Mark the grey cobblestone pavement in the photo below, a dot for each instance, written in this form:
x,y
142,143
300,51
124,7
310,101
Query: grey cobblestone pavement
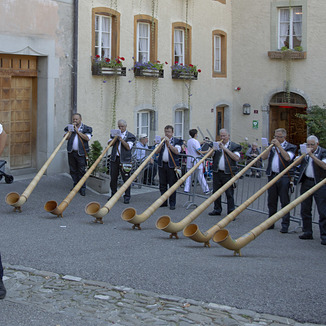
x,y
100,303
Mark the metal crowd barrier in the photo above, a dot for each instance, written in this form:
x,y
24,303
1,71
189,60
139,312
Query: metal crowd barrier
x,y
247,185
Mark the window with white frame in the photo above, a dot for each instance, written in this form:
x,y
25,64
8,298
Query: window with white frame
x,y
179,56
143,123
289,27
179,123
217,53
103,34
143,42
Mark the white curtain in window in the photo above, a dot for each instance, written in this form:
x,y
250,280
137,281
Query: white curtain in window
x,y
297,22
143,42
217,53
284,25
178,45
178,126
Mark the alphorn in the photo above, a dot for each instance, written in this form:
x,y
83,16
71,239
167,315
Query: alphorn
x,y
130,215
192,230
94,208
52,206
164,222
17,201
223,238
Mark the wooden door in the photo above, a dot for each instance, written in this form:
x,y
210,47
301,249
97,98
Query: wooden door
x,y
219,122
23,124
285,117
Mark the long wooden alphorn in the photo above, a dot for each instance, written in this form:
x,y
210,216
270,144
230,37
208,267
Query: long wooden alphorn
x,y
17,201
223,238
130,215
192,230
94,208
52,206
164,223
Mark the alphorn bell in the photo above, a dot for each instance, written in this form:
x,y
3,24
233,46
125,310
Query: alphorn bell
x,y
223,238
129,214
192,230
94,208
17,201
164,222
52,206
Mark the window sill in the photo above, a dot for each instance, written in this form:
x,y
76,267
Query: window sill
x,y
294,55
184,75
105,71
153,73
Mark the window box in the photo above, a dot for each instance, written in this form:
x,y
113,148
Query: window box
x,y
294,55
154,73
97,70
185,75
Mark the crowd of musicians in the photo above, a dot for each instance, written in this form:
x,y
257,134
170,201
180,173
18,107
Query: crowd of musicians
x,y
309,171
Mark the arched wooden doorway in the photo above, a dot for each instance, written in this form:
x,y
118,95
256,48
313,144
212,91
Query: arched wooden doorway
x,y
283,110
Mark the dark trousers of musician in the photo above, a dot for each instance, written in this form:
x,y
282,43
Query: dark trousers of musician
x,y
115,169
167,177
219,180
77,166
1,269
306,208
279,189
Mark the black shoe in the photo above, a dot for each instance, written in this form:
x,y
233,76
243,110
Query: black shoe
x,y
284,230
271,227
126,201
323,242
214,212
172,208
82,192
2,290
305,236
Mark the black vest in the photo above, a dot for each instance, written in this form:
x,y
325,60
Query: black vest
x,y
288,148
84,130
125,155
175,141
233,147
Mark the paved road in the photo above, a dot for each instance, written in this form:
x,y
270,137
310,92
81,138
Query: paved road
x,y
278,274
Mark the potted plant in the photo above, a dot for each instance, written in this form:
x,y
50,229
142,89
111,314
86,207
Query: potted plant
x,y
149,69
108,67
98,180
181,71
288,54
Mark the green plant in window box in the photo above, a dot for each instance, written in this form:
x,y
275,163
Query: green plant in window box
x,y
181,71
107,66
149,69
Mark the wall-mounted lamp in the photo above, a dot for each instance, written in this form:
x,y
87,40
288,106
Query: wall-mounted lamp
x,y
246,108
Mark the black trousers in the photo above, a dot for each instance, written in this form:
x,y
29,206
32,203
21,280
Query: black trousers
x,y
115,169
280,189
167,177
306,208
1,269
219,180
77,166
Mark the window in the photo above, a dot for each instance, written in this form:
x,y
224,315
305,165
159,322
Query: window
x,y
181,123
143,123
143,42
181,43
219,53
106,33
179,48
103,30
221,1
145,46
290,27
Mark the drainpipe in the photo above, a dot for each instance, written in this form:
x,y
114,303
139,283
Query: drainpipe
x,y
75,59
